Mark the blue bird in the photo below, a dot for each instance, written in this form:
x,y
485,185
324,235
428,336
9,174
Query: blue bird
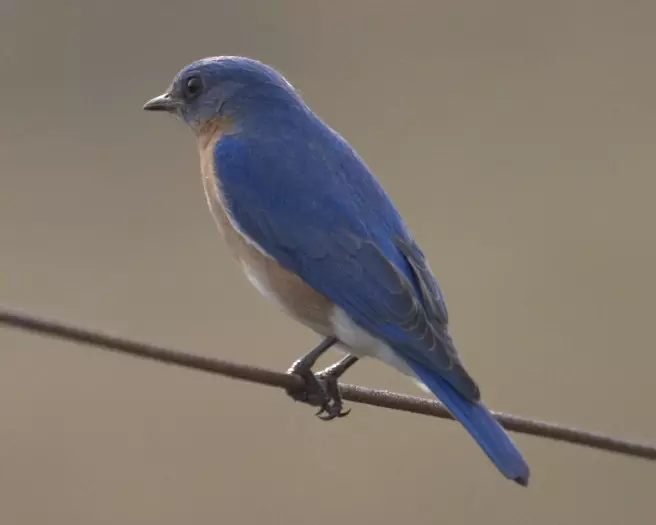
x,y
316,233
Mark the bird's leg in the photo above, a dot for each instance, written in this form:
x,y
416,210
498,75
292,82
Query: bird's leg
x,y
320,390
329,377
312,392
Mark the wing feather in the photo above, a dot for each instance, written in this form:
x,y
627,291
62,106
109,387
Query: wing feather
x,y
368,266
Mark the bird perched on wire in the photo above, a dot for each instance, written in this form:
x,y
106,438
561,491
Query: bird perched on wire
x,y
315,232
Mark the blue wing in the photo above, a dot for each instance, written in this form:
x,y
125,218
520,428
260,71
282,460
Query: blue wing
x,y
308,200
320,213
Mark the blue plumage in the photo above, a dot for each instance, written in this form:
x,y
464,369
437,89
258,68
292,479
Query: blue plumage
x,y
299,191
311,203
337,233
480,423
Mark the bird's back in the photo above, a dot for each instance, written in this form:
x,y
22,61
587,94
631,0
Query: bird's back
x,y
297,168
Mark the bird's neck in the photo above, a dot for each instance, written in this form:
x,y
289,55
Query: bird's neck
x,y
211,131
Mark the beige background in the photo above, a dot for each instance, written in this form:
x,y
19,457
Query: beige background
x,y
516,137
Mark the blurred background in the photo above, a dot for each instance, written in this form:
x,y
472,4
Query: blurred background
x,y
517,139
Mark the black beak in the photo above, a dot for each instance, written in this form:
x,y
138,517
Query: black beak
x,y
163,102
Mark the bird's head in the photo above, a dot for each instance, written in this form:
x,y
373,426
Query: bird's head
x,y
224,91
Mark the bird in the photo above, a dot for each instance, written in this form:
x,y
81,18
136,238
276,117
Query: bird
x,y
316,233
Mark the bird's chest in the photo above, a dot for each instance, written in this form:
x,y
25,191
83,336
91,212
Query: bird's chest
x,y
273,281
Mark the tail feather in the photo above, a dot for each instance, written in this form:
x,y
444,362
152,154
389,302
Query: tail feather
x,y
480,423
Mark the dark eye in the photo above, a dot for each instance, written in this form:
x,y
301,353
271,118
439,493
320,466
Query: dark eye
x,y
192,87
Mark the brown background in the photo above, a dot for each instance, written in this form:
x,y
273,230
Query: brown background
x,y
516,137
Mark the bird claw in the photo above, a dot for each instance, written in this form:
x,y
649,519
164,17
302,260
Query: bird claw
x,y
319,390
332,412
334,408
311,391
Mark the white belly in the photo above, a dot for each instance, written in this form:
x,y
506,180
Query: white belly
x,y
362,344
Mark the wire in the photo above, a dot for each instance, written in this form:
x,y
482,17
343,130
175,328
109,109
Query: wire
x,y
356,394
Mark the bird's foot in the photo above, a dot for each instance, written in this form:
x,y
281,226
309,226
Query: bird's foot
x,y
319,390
336,406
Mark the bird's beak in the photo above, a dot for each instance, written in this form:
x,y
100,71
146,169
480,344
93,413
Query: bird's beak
x,y
164,102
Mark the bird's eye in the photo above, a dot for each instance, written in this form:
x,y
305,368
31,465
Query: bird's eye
x,y
192,87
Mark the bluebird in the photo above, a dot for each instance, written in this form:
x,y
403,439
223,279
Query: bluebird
x,y
316,233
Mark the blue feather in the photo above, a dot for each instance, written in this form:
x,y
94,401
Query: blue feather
x,y
313,226
296,188
480,423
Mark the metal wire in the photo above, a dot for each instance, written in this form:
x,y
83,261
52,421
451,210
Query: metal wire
x,y
356,394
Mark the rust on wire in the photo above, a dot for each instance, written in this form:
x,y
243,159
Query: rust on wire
x,y
353,393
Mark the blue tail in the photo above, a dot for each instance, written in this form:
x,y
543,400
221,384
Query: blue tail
x,y
480,423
